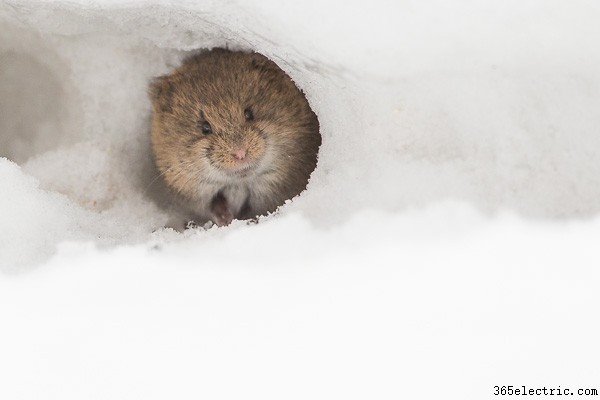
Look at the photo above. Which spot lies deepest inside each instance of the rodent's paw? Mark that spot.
(221, 214)
(223, 219)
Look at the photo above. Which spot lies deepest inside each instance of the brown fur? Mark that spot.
(244, 167)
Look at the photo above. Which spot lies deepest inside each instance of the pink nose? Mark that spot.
(239, 154)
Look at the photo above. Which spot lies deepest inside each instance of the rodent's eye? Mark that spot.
(206, 128)
(248, 114)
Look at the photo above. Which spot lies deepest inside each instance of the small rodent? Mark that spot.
(232, 135)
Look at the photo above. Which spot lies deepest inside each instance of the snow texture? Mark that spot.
(447, 241)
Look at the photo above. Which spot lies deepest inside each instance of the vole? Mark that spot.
(232, 135)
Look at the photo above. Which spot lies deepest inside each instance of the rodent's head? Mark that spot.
(228, 116)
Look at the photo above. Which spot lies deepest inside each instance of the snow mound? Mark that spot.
(447, 241)
(493, 104)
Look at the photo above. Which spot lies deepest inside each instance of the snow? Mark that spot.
(447, 242)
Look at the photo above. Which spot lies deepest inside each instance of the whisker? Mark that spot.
(178, 175)
(160, 175)
(194, 173)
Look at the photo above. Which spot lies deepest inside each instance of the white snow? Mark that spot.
(447, 241)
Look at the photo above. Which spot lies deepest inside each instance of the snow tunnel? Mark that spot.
(405, 124)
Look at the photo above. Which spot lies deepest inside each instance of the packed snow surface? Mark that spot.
(446, 244)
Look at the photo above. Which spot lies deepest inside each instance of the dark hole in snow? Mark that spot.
(31, 106)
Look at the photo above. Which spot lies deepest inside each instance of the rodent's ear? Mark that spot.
(161, 93)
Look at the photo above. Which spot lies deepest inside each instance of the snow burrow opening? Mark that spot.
(32, 104)
(487, 110)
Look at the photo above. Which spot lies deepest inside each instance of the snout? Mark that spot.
(239, 154)
(243, 155)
